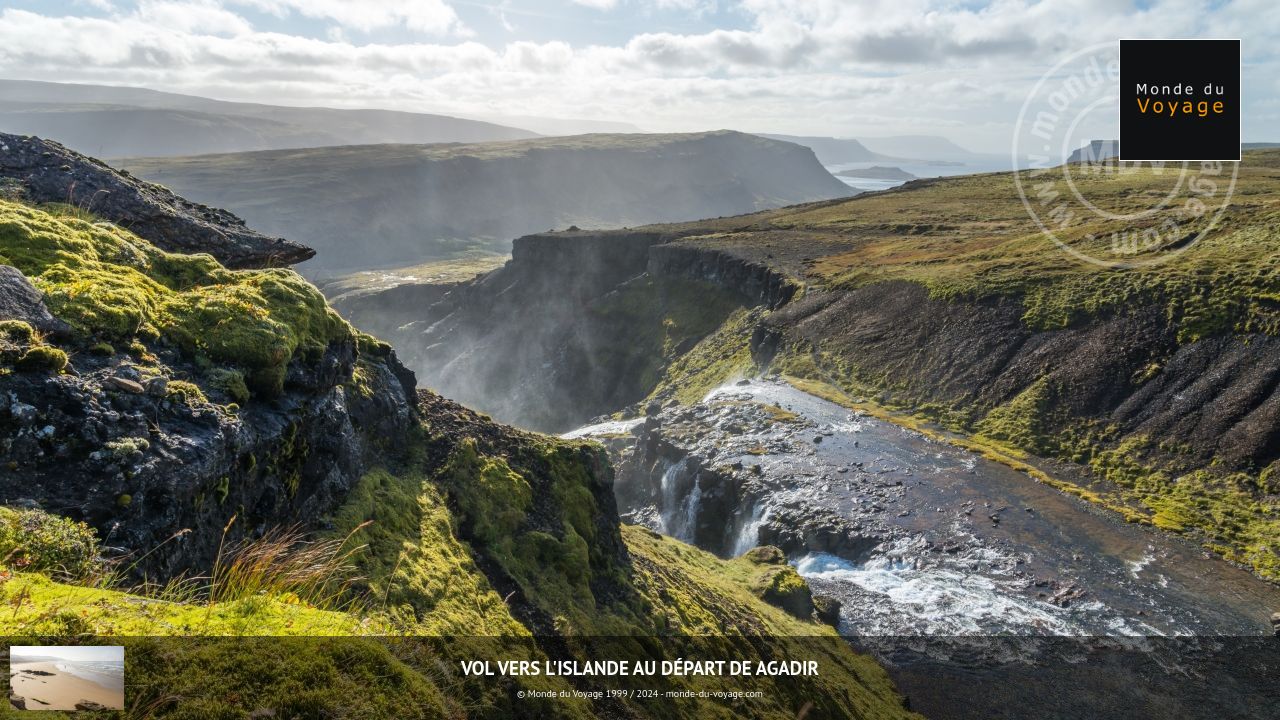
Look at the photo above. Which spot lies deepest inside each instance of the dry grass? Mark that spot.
(284, 563)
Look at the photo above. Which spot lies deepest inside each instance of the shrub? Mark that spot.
(38, 541)
(42, 358)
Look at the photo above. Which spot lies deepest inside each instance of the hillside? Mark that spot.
(108, 121)
(832, 151)
(1150, 391)
(365, 207)
(196, 455)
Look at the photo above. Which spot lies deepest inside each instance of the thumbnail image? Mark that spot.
(63, 677)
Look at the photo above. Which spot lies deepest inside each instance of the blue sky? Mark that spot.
(825, 67)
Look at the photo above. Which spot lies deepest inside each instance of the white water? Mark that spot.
(936, 601)
(670, 501)
(612, 427)
(749, 535)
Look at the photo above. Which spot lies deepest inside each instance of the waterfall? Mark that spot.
(670, 493)
(749, 534)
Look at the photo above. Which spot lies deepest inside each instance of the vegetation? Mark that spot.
(112, 286)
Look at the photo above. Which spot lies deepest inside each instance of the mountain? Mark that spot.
(564, 126)
(1095, 151)
(920, 147)
(376, 206)
(831, 151)
(108, 121)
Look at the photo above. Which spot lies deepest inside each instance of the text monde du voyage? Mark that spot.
(1181, 99)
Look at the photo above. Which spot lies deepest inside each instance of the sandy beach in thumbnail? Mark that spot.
(58, 690)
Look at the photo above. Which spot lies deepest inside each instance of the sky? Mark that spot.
(843, 68)
(72, 653)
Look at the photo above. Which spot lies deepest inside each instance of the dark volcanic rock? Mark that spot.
(20, 300)
(45, 171)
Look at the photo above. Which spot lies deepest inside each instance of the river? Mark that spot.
(932, 542)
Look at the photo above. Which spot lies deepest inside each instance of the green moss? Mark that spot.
(111, 285)
(719, 357)
(102, 349)
(37, 541)
(185, 392)
(1023, 420)
(231, 382)
(18, 331)
(42, 358)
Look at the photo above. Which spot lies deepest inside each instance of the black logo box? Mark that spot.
(1180, 65)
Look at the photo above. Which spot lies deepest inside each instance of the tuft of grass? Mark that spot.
(283, 563)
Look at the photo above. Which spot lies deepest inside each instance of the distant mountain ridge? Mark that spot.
(830, 150)
(379, 206)
(107, 121)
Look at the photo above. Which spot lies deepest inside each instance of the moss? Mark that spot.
(124, 500)
(126, 448)
(370, 345)
(42, 358)
(110, 285)
(18, 331)
(185, 392)
(38, 541)
(1023, 420)
(231, 382)
(102, 349)
(716, 359)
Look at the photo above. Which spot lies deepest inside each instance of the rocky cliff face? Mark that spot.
(577, 323)
(153, 394)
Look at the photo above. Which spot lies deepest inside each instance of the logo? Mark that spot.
(1096, 207)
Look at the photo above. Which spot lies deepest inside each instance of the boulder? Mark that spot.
(44, 171)
(20, 300)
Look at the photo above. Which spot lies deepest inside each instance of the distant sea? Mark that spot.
(921, 169)
(109, 675)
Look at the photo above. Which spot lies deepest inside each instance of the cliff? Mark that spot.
(379, 206)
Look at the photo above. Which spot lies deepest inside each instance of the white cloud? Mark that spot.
(192, 16)
(800, 66)
(426, 16)
(597, 4)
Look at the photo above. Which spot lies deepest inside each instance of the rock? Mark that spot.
(124, 384)
(150, 211)
(827, 609)
(90, 706)
(20, 300)
(1275, 623)
(766, 555)
(157, 386)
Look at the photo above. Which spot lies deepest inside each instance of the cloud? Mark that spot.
(597, 4)
(426, 16)
(801, 66)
